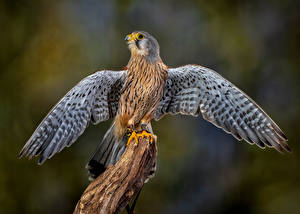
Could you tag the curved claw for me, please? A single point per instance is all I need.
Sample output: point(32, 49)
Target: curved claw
point(147, 135)
point(135, 136)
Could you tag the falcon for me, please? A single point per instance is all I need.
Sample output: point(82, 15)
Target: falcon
point(148, 89)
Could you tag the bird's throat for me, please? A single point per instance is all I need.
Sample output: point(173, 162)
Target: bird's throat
point(141, 65)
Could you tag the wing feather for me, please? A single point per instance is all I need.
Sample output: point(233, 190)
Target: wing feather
point(93, 99)
point(193, 89)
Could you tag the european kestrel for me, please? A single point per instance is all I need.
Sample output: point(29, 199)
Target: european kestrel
point(148, 89)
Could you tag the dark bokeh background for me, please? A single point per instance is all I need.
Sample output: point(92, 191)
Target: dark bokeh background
point(48, 46)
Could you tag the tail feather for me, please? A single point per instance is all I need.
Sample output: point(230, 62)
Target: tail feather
point(108, 152)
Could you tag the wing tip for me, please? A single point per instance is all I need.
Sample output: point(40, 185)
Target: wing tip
point(283, 142)
point(282, 147)
point(41, 160)
point(285, 146)
point(23, 152)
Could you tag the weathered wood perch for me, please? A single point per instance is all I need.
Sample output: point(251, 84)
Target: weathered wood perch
point(114, 189)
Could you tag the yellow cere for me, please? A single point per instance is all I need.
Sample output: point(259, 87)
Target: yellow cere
point(130, 37)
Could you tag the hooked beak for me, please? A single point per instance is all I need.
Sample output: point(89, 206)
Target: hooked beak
point(129, 38)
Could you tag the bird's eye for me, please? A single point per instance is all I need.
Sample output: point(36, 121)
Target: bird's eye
point(140, 36)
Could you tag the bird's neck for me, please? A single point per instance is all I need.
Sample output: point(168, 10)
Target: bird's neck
point(140, 64)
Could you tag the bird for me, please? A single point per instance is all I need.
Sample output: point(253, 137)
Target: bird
point(145, 90)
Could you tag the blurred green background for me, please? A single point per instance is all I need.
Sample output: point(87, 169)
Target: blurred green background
point(48, 46)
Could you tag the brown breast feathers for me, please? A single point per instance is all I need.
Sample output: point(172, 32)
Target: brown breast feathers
point(142, 91)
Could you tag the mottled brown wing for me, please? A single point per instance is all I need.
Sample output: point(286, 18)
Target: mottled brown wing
point(94, 99)
point(192, 89)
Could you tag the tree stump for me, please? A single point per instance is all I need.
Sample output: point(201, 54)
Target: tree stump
point(114, 189)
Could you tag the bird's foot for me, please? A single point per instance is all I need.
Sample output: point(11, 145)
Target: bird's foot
point(147, 135)
point(135, 136)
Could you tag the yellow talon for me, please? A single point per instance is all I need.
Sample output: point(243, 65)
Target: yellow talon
point(135, 136)
point(147, 135)
point(132, 136)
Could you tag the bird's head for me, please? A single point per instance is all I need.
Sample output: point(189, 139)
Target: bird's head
point(142, 43)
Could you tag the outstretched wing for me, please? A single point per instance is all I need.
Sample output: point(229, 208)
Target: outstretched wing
point(192, 89)
point(94, 99)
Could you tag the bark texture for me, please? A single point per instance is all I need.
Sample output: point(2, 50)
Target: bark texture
point(114, 189)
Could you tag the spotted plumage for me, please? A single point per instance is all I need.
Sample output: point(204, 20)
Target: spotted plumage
point(94, 99)
point(193, 89)
point(147, 89)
